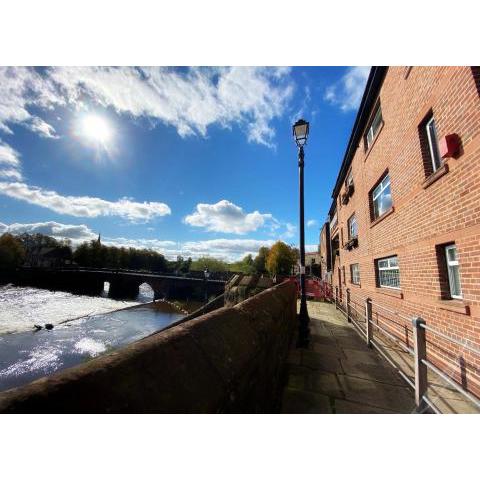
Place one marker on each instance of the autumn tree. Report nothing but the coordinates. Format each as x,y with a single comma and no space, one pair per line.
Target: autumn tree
281,259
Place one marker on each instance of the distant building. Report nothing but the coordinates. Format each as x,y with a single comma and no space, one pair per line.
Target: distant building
404,224
52,257
312,264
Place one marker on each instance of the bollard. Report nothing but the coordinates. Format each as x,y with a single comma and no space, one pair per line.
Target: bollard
348,306
420,354
368,321
336,298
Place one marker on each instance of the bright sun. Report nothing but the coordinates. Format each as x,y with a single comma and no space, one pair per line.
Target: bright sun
96,129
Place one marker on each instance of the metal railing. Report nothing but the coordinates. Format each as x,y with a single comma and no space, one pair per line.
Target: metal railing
421,365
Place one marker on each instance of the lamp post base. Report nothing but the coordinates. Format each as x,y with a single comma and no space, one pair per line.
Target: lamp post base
303,328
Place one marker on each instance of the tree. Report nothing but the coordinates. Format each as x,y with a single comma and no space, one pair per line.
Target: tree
259,264
12,252
281,259
213,264
245,265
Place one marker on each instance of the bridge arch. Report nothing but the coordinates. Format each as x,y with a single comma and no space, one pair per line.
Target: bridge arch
146,293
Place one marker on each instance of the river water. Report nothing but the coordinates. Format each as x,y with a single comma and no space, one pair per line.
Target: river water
85,327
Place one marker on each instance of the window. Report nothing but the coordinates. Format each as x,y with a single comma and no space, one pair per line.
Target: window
373,128
355,273
431,133
453,271
352,227
349,179
334,222
388,274
382,197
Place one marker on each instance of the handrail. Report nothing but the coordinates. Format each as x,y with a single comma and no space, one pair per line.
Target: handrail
431,404
452,382
392,311
399,371
419,350
450,339
396,340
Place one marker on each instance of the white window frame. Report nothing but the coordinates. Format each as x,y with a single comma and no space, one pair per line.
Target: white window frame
356,275
453,263
387,268
371,134
349,224
382,186
431,130
349,179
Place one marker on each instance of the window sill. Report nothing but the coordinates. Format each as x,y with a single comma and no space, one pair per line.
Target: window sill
379,219
356,285
443,170
367,153
454,305
390,292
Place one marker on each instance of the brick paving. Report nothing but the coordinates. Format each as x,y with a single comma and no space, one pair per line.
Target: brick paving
337,373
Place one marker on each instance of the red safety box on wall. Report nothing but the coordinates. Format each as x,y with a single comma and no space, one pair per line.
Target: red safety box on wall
449,145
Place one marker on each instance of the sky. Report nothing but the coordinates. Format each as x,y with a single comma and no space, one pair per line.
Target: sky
186,161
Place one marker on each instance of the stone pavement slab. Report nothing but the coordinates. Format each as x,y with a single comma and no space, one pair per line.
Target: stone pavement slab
337,373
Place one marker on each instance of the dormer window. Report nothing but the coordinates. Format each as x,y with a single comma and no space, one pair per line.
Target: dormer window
373,128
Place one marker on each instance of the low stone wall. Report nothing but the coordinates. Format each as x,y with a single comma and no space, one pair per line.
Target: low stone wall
229,360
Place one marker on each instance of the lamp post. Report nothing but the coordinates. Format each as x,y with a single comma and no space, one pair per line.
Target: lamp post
300,134
206,274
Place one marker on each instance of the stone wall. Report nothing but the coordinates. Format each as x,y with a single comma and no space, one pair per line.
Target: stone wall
240,287
229,360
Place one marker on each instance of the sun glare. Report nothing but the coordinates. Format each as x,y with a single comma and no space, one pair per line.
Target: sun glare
96,129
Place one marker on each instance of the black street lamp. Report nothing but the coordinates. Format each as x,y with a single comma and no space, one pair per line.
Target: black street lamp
300,133
206,275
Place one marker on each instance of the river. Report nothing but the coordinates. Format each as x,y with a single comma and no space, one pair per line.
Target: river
84,327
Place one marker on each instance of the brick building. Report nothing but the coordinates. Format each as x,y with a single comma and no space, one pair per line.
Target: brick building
404,225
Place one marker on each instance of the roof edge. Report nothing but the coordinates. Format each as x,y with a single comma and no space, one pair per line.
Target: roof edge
370,94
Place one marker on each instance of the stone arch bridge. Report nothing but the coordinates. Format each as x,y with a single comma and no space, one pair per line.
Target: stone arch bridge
124,284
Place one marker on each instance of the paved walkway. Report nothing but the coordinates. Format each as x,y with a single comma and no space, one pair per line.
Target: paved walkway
337,373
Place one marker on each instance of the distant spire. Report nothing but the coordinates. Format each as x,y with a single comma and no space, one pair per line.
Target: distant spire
99,240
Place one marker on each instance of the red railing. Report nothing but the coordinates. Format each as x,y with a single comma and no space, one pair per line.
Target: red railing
315,287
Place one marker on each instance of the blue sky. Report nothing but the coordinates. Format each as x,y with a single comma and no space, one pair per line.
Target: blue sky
188,161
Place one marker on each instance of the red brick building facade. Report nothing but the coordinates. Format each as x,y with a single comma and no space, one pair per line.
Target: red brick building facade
404,226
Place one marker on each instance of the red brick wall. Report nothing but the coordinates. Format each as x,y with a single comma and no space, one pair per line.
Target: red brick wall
447,210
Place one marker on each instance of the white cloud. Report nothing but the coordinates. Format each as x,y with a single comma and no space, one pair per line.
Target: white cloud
290,231
227,249
21,88
190,100
84,206
9,162
347,92
312,223
226,217
57,230
222,248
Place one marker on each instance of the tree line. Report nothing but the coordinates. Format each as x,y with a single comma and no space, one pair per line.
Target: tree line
30,250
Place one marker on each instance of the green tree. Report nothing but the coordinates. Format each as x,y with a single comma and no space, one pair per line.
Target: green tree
281,259
259,264
213,264
12,252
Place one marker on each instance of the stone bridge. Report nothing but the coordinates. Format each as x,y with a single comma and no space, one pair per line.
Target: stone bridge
123,283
